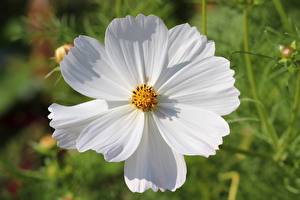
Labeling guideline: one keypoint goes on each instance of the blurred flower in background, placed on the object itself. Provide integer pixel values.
(61, 51)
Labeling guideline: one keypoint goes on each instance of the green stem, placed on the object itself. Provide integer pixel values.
(204, 18)
(296, 104)
(288, 136)
(25, 174)
(266, 123)
(118, 8)
(283, 16)
(232, 149)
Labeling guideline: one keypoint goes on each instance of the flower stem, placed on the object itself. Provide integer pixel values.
(296, 104)
(204, 18)
(234, 186)
(266, 123)
(232, 149)
(283, 16)
(22, 174)
(288, 136)
(118, 8)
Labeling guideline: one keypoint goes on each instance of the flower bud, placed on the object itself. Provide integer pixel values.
(286, 52)
(61, 51)
(47, 142)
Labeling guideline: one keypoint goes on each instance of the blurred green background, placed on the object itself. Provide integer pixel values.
(259, 160)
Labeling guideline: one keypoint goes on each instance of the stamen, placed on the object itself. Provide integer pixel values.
(144, 97)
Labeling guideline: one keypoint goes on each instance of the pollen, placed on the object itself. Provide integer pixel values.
(144, 97)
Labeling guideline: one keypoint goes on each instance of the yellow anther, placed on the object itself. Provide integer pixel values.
(144, 97)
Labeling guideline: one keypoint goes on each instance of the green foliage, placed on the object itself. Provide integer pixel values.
(249, 160)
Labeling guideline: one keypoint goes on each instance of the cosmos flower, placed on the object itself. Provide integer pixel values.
(159, 95)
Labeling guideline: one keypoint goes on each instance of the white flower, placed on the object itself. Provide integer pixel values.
(159, 95)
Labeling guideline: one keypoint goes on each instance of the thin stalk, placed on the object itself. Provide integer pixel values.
(288, 136)
(296, 104)
(25, 174)
(204, 18)
(232, 149)
(118, 7)
(266, 123)
(283, 16)
(235, 180)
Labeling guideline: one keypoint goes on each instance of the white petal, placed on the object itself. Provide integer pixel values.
(154, 164)
(190, 130)
(66, 137)
(116, 133)
(208, 84)
(186, 44)
(138, 46)
(87, 70)
(68, 121)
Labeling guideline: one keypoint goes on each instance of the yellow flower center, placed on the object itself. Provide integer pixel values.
(144, 97)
